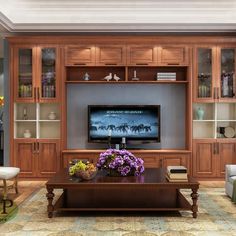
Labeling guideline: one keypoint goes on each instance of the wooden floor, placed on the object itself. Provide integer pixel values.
(26, 188)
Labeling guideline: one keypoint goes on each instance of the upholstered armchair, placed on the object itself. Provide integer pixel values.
(230, 177)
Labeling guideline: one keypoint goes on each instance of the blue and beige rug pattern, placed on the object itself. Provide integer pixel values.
(217, 217)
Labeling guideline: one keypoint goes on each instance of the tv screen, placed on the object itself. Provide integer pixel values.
(131, 121)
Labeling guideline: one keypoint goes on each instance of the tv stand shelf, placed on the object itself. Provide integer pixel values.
(152, 157)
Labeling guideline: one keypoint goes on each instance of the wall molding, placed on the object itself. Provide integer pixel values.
(117, 16)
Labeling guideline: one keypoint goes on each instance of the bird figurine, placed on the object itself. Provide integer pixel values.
(116, 78)
(108, 77)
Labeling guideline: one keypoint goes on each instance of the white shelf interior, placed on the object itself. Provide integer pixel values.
(28, 108)
(37, 120)
(46, 108)
(49, 130)
(22, 126)
(217, 116)
(204, 129)
(208, 108)
(226, 111)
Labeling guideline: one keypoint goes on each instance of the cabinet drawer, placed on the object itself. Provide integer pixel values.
(173, 55)
(150, 160)
(81, 55)
(110, 55)
(174, 160)
(141, 55)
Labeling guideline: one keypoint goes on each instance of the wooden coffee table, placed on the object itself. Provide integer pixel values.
(149, 192)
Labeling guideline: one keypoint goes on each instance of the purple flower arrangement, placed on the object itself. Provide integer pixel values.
(120, 163)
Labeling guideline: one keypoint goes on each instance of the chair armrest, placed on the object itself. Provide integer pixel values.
(230, 170)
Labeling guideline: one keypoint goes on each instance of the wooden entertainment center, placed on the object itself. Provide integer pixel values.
(41, 67)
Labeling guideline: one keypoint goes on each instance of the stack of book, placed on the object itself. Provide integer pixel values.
(166, 76)
(176, 174)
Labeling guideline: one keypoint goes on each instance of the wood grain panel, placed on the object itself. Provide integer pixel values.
(173, 55)
(141, 55)
(204, 164)
(80, 55)
(48, 157)
(175, 160)
(25, 157)
(110, 55)
(226, 155)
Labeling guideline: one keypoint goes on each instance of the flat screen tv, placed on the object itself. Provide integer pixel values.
(134, 122)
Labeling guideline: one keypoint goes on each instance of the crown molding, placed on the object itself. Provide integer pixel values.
(117, 16)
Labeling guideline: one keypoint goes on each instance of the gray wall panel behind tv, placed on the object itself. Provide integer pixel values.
(170, 97)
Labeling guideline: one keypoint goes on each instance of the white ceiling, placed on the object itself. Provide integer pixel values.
(117, 15)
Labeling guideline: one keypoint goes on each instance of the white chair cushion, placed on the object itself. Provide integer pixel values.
(231, 169)
(232, 179)
(8, 172)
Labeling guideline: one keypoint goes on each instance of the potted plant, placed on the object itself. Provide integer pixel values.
(120, 163)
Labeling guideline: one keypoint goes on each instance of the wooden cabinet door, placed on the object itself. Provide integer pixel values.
(205, 74)
(173, 55)
(174, 160)
(48, 73)
(24, 157)
(226, 87)
(81, 55)
(204, 158)
(48, 157)
(226, 155)
(141, 55)
(24, 73)
(110, 55)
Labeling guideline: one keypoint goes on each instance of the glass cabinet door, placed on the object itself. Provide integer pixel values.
(25, 85)
(204, 74)
(227, 73)
(48, 73)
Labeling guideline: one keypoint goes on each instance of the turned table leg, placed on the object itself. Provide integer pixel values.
(194, 196)
(50, 196)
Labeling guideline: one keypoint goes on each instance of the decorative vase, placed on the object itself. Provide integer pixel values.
(52, 115)
(200, 113)
(27, 134)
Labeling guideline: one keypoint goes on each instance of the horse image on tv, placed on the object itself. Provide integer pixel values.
(124, 123)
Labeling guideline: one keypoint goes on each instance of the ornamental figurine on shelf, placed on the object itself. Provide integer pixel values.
(116, 78)
(135, 76)
(108, 77)
(86, 77)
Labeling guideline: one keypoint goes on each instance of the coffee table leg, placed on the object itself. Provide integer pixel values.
(50, 196)
(194, 196)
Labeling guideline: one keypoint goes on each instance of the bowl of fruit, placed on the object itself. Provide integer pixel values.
(83, 170)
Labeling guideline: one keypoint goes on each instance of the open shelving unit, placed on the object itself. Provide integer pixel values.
(217, 116)
(34, 117)
(146, 74)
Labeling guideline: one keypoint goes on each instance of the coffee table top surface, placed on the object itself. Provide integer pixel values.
(151, 176)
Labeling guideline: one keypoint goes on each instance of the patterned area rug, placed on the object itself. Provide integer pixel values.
(217, 217)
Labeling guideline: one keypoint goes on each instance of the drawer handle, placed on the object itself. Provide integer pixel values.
(142, 64)
(80, 64)
(110, 64)
(173, 64)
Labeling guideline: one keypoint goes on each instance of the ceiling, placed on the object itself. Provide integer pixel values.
(18, 16)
